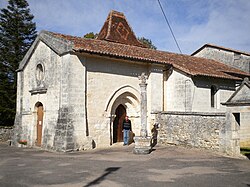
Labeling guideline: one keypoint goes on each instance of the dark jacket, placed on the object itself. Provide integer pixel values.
(126, 125)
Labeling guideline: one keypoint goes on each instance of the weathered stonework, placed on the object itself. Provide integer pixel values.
(5, 133)
(201, 130)
(234, 58)
(69, 90)
(80, 97)
(143, 142)
(238, 112)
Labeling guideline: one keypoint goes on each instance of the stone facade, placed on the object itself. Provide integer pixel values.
(193, 94)
(80, 94)
(238, 117)
(234, 58)
(5, 133)
(238, 112)
(71, 95)
(200, 130)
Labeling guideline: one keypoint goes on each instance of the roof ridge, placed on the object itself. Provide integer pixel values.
(220, 47)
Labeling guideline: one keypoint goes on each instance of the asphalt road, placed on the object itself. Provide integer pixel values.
(118, 166)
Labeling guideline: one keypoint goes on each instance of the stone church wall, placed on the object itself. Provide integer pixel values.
(201, 130)
(105, 78)
(185, 94)
(178, 92)
(237, 60)
(76, 134)
(201, 98)
(54, 100)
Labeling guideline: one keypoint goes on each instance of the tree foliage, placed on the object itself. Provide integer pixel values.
(90, 35)
(17, 33)
(147, 42)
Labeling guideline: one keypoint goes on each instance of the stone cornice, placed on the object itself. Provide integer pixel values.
(191, 113)
(38, 91)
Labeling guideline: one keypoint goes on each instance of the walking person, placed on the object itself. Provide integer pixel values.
(126, 128)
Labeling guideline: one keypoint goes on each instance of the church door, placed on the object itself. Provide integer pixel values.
(117, 124)
(39, 124)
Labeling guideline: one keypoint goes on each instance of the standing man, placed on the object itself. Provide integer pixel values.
(126, 128)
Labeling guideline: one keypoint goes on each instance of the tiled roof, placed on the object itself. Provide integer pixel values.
(220, 47)
(191, 65)
(116, 29)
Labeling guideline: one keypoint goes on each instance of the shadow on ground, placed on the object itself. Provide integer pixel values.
(101, 178)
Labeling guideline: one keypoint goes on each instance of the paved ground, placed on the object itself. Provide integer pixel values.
(118, 166)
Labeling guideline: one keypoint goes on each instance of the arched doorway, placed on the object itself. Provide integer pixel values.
(39, 125)
(124, 101)
(120, 113)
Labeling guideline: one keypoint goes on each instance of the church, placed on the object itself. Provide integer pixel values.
(73, 93)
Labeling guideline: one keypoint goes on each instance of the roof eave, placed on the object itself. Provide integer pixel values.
(60, 46)
(216, 76)
(121, 56)
(236, 104)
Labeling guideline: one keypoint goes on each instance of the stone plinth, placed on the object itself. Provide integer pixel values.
(142, 145)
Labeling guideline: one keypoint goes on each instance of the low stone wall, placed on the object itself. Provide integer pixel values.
(202, 130)
(5, 133)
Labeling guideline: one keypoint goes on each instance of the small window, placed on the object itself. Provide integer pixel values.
(213, 93)
(39, 72)
(237, 118)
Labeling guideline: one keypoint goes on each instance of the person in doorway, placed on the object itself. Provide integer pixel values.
(126, 128)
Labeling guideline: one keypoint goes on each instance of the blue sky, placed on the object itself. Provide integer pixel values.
(194, 22)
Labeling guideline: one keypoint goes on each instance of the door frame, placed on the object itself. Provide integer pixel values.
(39, 124)
(120, 113)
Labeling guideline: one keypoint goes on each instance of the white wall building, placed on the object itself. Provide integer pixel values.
(73, 92)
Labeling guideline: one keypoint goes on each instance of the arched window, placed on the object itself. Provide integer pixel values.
(39, 72)
(213, 99)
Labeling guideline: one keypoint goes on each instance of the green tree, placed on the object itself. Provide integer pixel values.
(147, 42)
(17, 33)
(90, 35)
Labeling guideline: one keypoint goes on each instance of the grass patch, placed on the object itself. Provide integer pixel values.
(245, 151)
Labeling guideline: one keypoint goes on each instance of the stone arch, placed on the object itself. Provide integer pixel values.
(128, 97)
(125, 94)
(38, 104)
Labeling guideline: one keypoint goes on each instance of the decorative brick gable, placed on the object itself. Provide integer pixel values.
(116, 29)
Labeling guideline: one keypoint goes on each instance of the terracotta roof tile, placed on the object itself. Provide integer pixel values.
(189, 64)
(116, 29)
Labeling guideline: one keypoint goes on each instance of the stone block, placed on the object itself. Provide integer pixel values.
(142, 145)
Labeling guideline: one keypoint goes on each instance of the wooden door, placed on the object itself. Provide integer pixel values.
(117, 124)
(39, 125)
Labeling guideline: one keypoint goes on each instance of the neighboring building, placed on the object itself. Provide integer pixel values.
(231, 57)
(238, 113)
(73, 93)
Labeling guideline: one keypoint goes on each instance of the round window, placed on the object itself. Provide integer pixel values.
(39, 72)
